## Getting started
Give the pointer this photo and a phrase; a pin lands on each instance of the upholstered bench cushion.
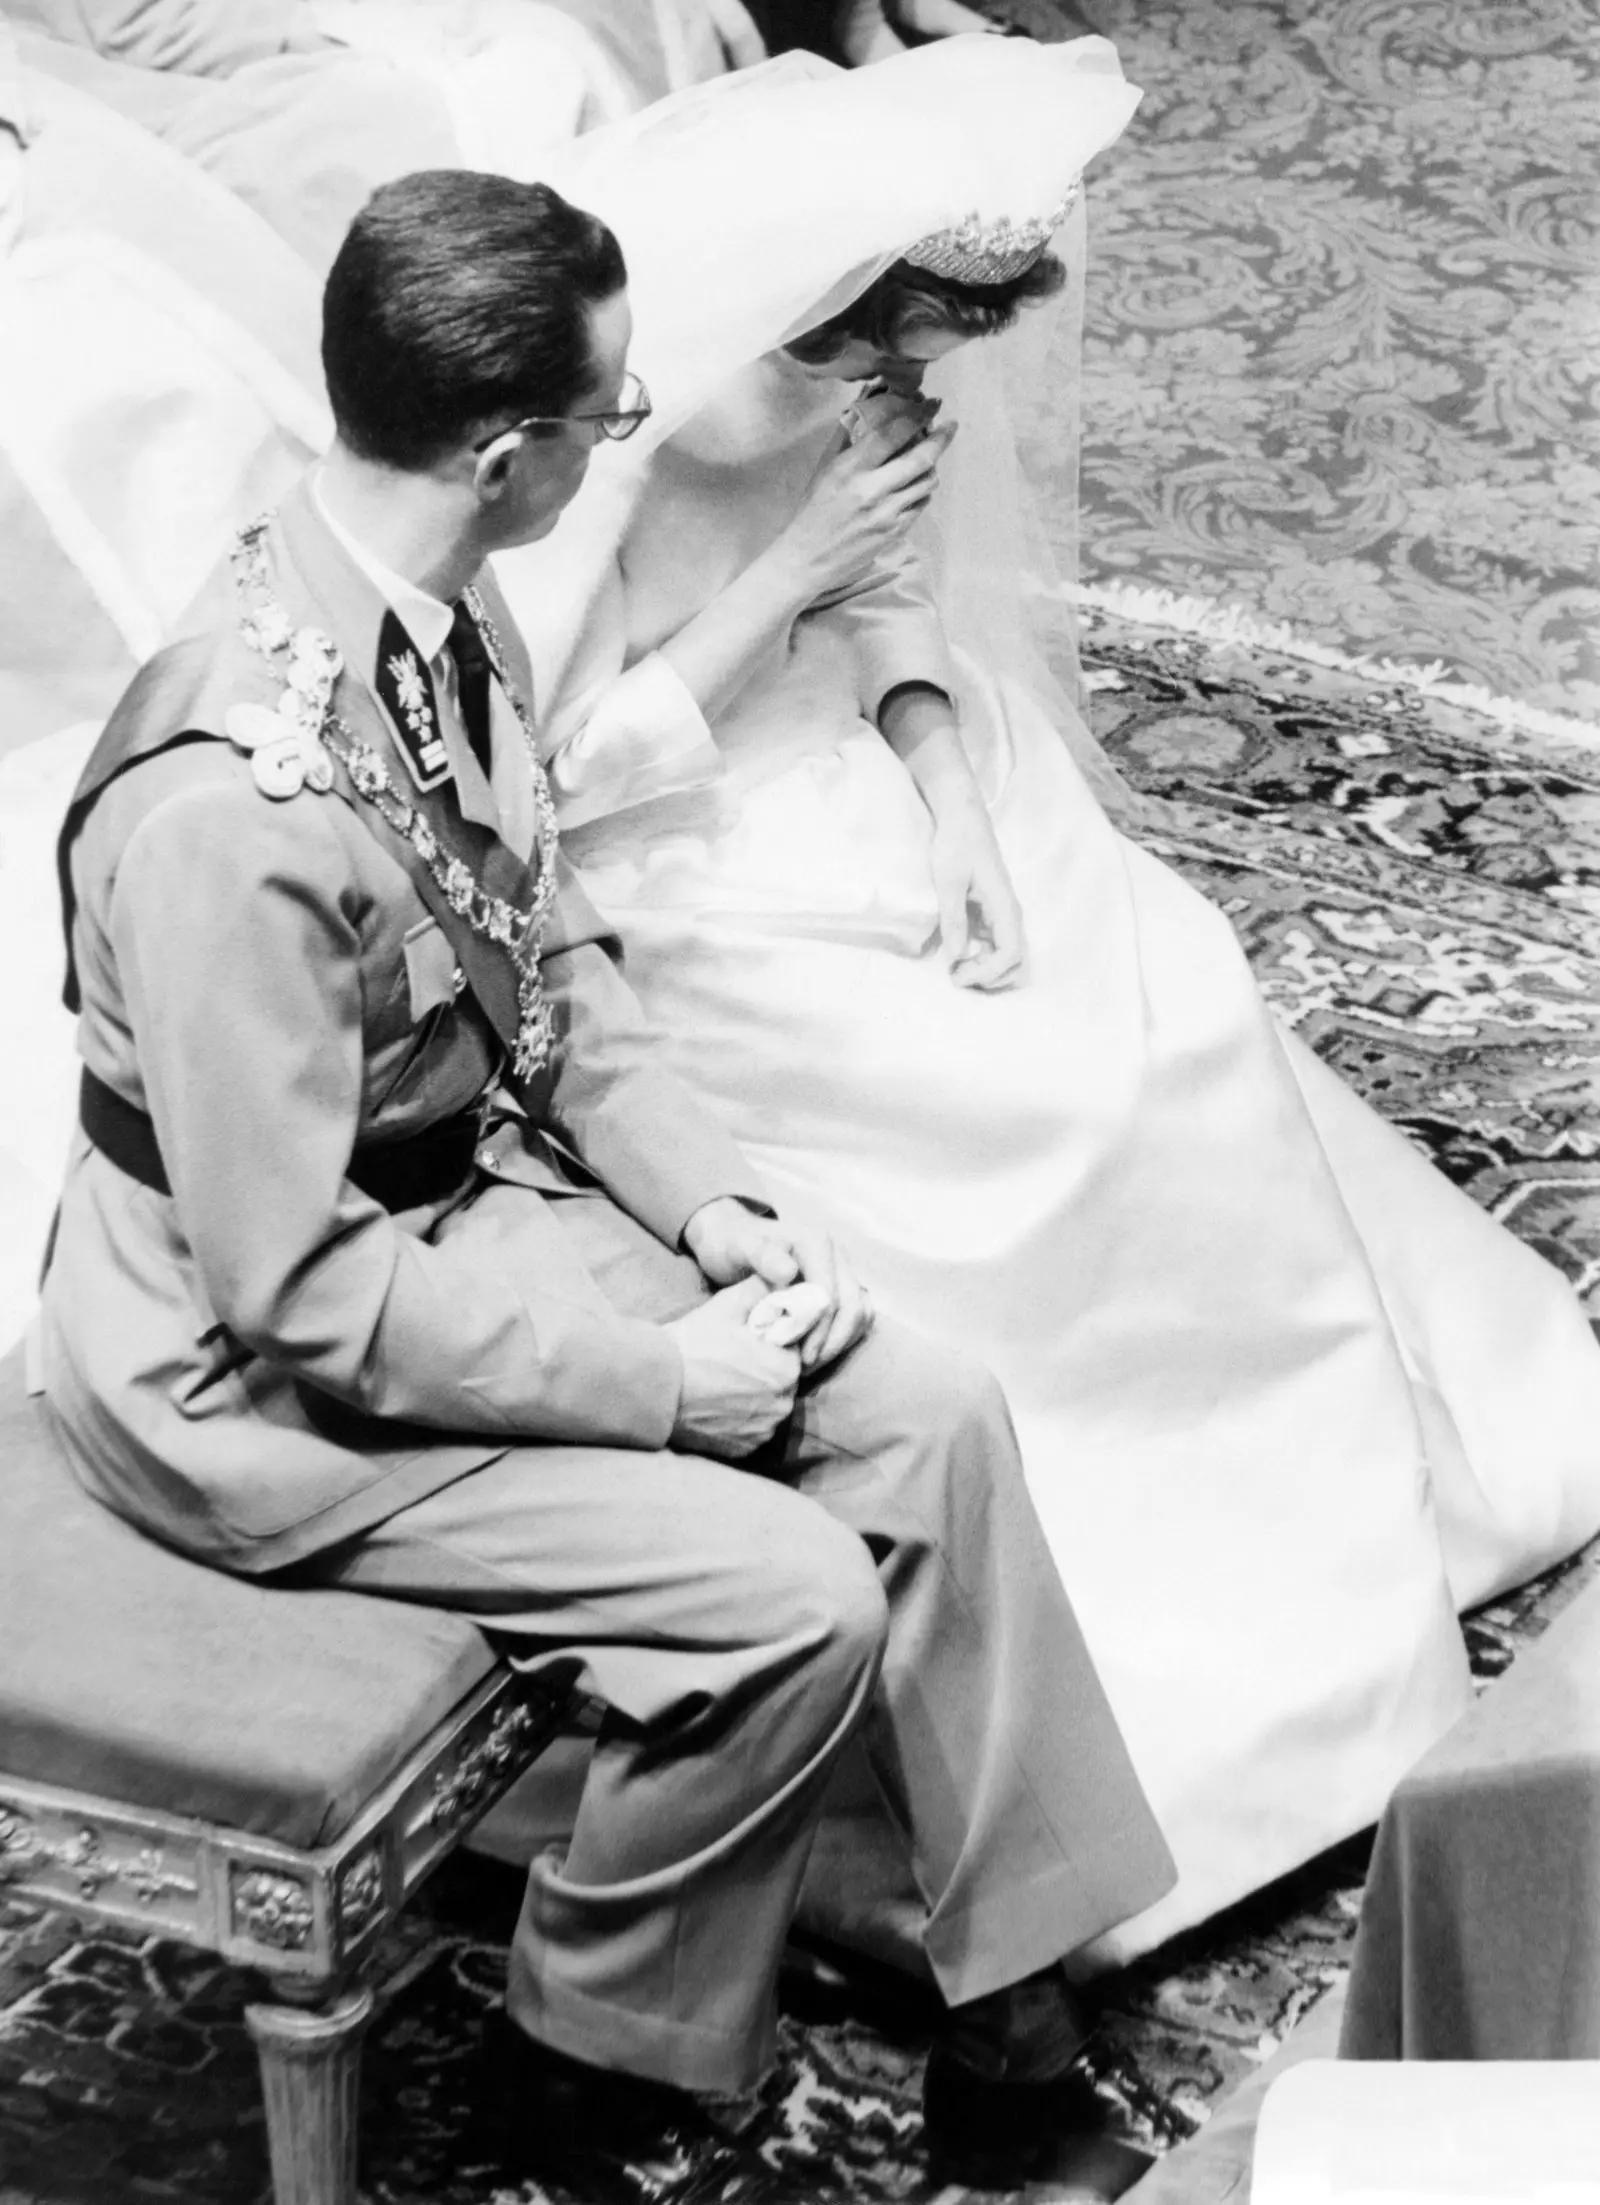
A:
(128, 1672)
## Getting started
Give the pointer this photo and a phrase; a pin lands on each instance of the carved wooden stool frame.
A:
(307, 1919)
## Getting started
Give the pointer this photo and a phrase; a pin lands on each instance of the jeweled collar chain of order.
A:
(292, 755)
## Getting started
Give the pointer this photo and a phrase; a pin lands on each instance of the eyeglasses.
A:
(616, 422)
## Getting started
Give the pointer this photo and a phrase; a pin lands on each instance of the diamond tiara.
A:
(974, 251)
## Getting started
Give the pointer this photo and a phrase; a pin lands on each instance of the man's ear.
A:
(491, 474)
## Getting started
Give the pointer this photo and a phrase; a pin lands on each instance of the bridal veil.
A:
(751, 209)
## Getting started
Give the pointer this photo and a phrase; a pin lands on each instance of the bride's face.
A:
(901, 369)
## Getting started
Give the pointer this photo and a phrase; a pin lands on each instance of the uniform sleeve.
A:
(893, 626)
(650, 1142)
(236, 925)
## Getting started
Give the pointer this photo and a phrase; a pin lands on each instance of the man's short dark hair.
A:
(906, 299)
(458, 300)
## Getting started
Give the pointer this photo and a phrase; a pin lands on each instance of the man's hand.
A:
(980, 919)
(737, 1387)
(730, 1242)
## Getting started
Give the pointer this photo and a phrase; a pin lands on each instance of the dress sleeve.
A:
(236, 927)
(617, 734)
(893, 626)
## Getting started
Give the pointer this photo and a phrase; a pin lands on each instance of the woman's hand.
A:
(980, 919)
(864, 496)
(860, 499)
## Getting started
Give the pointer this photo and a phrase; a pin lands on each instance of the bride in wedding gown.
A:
(1288, 1400)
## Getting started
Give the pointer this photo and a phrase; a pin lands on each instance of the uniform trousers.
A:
(878, 1568)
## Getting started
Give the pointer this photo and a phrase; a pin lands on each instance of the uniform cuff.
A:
(678, 1201)
(756, 1206)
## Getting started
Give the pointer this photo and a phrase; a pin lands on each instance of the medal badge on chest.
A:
(405, 690)
(284, 759)
(284, 745)
(294, 747)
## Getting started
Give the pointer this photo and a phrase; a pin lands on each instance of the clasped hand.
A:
(737, 1386)
(865, 494)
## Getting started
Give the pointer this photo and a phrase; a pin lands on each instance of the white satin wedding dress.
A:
(1287, 1400)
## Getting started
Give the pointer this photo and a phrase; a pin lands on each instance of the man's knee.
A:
(822, 1592)
(930, 1386)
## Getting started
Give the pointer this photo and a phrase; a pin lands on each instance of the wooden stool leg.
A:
(310, 2068)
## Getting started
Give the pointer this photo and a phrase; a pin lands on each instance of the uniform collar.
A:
(427, 620)
(350, 600)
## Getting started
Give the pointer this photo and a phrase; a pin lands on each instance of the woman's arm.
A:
(860, 502)
(715, 653)
(854, 518)
(616, 735)
(980, 919)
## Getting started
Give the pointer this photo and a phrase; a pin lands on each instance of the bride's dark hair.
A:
(906, 298)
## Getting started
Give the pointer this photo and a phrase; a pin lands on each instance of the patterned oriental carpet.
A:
(1418, 890)
(1343, 304)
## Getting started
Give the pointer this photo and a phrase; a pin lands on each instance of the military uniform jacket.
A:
(266, 1361)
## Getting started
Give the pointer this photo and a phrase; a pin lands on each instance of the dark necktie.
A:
(465, 646)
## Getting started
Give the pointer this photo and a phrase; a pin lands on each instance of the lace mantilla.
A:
(289, 749)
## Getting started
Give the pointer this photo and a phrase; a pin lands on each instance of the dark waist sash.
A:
(423, 1167)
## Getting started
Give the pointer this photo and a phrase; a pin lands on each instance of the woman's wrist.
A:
(953, 798)
(798, 569)
(918, 722)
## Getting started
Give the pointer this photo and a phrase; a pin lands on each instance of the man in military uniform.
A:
(390, 1251)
